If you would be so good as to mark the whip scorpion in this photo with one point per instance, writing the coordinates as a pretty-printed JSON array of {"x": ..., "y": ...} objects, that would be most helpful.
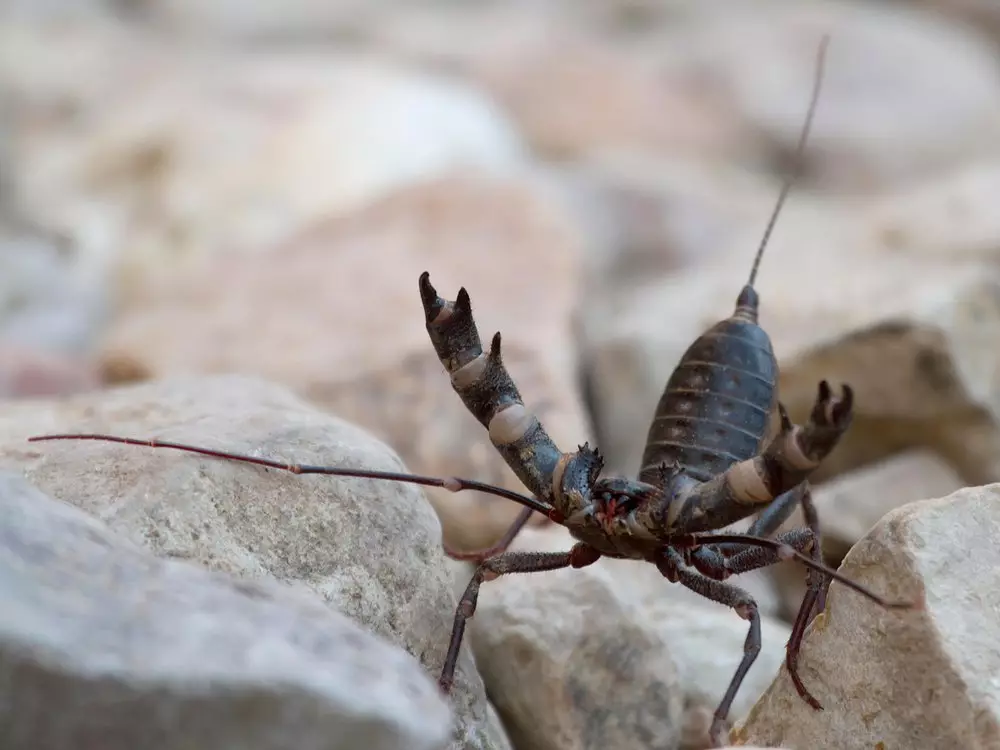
[{"x": 707, "y": 464}]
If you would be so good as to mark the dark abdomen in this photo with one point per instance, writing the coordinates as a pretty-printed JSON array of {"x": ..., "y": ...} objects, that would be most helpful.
[{"x": 716, "y": 406}]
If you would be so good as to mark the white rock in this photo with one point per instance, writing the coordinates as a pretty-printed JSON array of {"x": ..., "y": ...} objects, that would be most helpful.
[
  {"x": 924, "y": 678},
  {"x": 369, "y": 549},
  {"x": 850, "y": 504},
  {"x": 103, "y": 645},
  {"x": 950, "y": 216}
]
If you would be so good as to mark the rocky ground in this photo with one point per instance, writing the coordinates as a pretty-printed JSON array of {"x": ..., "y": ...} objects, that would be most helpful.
[{"x": 212, "y": 220}]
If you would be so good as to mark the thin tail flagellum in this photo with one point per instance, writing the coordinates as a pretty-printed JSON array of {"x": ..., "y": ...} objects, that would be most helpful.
[{"x": 747, "y": 303}]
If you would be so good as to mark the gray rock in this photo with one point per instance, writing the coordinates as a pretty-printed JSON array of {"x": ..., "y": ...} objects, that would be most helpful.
[
  {"x": 925, "y": 678},
  {"x": 104, "y": 645},
  {"x": 369, "y": 549}
]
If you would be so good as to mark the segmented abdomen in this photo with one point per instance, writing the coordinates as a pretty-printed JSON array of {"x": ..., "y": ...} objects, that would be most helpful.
[{"x": 716, "y": 406}]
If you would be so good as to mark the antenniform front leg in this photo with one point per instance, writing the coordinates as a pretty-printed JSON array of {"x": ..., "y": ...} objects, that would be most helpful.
[
  {"x": 482, "y": 382},
  {"x": 789, "y": 459}
]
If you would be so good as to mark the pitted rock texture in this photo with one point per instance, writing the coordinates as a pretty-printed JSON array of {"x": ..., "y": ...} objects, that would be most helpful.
[
  {"x": 920, "y": 678},
  {"x": 104, "y": 645},
  {"x": 369, "y": 549}
]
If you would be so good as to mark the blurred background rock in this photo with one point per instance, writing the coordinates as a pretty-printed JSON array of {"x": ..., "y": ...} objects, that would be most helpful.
[{"x": 207, "y": 186}]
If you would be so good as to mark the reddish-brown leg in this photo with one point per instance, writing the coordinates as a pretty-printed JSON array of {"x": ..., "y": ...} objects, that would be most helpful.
[
  {"x": 751, "y": 558},
  {"x": 478, "y": 555},
  {"x": 509, "y": 562}
]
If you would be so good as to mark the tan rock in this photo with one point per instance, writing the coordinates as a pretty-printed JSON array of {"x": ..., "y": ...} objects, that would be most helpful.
[
  {"x": 850, "y": 504},
  {"x": 259, "y": 20},
  {"x": 27, "y": 373},
  {"x": 647, "y": 217},
  {"x": 982, "y": 14},
  {"x": 336, "y": 315},
  {"x": 885, "y": 64},
  {"x": 197, "y": 149},
  {"x": 612, "y": 655},
  {"x": 369, "y": 549},
  {"x": 902, "y": 679},
  {"x": 950, "y": 216},
  {"x": 571, "y": 89}
]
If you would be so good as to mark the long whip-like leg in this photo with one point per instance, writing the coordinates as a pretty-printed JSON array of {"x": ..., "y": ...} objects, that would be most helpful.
[
  {"x": 509, "y": 562},
  {"x": 501, "y": 545},
  {"x": 673, "y": 568},
  {"x": 452, "y": 484}
]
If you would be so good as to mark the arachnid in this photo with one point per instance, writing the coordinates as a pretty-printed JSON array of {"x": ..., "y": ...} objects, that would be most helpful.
[{"x": 706, "y": 465}]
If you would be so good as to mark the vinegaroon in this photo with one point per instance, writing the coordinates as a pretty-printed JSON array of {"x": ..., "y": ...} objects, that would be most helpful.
[{"x": 706, "y": 465}]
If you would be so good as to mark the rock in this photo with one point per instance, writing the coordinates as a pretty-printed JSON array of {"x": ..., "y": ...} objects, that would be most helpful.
[
  {"x": 611, "y": 655},
  {"x": 199, "y": 149},
  {"x": 924, "y": 678},
  {"x": 850, "y": 504},
  {"x": 52, "y": 298},
  {"x": 28, "y": 372},
  {"x": 572, "y": 90},
  {"x": 910, "y": 335},
  {"x": 949, "y": 217},
  {"x": 886, "y": 63},
  {"x": 369, "y": 549},
  {"x": 982, "y": 14},
  {"x": 104, "y": 645},
  {"x": 55, "y": 10},
  {"x": 652, "y": 216},
  {"x": 261, "y": 21},
  {"x": 341, "y": 306}
]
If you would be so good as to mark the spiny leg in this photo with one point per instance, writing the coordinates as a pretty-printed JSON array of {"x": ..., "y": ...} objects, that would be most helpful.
[
  {"x": 775, "y": 514},
  {"x": 509, "y": 562},
  {"x": 501, "y": 545},
  {"x": 672, "y": 566},
  {"x": 820, "y": 584},
  {"x": 769, "y": 520},
  {"x": 752, "y": 558},
  {"x": 787, "y": 461}
]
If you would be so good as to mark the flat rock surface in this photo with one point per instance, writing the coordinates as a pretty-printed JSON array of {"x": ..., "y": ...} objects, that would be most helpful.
[
  {"x": 104, "y": 645},
  {"x": 925, "y": 678},
  {"x": 369, "y": 549}
]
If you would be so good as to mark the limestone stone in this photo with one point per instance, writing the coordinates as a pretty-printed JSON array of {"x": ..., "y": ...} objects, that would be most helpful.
[
  {"x": 368, "y": 549},
  {"x": 335, "y": 314},
  {"x": 104, "y": 645},
  {"x": 924, "y": 678}
]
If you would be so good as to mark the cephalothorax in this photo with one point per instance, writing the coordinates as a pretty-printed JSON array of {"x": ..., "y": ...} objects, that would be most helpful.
[{"x": 706, "y": 465}]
